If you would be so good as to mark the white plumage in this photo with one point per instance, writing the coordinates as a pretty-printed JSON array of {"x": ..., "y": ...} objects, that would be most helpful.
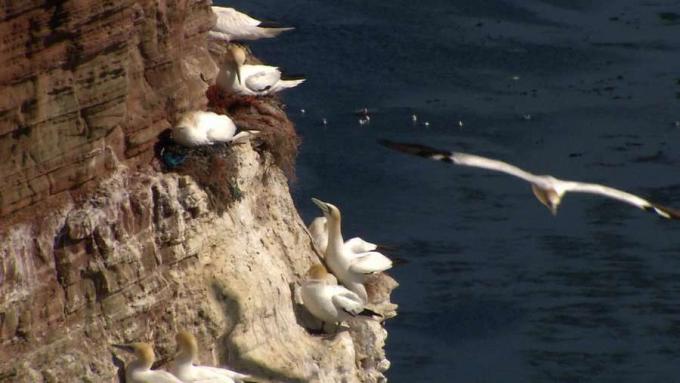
[
  {"x": 139, "y": 370},
  {"x": 233, "y": 25},
  {"x": 206, "y": 128},
  {"x": 547, "y": 189},
  {"x": 318, "y": 229}
]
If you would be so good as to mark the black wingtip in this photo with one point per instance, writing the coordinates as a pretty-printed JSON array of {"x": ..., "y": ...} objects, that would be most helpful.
[
  {"x": 272, "y": 25},
  {"x": 293, "y": 77},
  {"x": 665, "y": 212},
  {"x": 370, "y": 313},
  {"x": 414, "y": 149}
]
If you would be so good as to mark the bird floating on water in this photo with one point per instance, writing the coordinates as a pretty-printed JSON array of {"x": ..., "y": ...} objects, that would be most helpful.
[
  {"x": 235, "y": 76},
  {"x": 233, "y": 25},
  {"x": 547, "y": 189},
  {"x": 349, "y": 267},
  {"x": 139, "y": 370},
  {"x": 197, "y": 128},
  {"x": 184, "y": 368},
  {"x": 328, "y": 301}
]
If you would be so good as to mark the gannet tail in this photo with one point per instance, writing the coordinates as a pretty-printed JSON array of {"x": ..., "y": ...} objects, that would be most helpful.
[{"x": 271, "y": 29}]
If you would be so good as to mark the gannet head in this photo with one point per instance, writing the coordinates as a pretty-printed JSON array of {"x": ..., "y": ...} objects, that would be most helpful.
[
  {"x": 238, "y": 54},
  {"x": 548, "y": 197},
  {"x": 143, "y": 352},
  {"x": 317, "y": 272},
  {"x": 186, "y": 344},
  {"x": 329, "y": 210}
]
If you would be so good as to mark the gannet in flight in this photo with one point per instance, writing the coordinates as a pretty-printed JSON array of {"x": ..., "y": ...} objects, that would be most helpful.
[
  {"x": 328, "y": 301},
  {"x": 235, "y": 76},
  {"x": 206, "y": 128},
  {"x": 184, "y": 369},
  {"x": 319, "y": 232},
  {"x": 139, "y": 370},
  {"x": 233, "y": 25},
  {"x": 547, "y": 189},
  {"x": 350, "y": 268}
]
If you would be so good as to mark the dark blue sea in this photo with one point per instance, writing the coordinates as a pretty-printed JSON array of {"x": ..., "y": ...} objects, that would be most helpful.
[{"x": 497, "y": 289}]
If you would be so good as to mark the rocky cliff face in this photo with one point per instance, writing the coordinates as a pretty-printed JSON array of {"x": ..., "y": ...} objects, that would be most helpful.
[{"x": 97, "y": 246}]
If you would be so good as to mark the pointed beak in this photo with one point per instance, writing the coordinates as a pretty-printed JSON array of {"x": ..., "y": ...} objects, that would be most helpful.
[
  {"x": 124, "y": 347},
  {"x": 553, "y": 210},
  {"x": 238, "y": 74},
  {"x": 321, "y": 205}
]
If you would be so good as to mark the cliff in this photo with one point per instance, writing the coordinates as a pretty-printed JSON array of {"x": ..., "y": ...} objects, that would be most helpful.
[{"x": 100, "y": 245}]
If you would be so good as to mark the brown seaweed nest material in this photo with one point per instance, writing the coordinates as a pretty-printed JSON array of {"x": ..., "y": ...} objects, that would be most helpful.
[{"x": 266, "y": 115}]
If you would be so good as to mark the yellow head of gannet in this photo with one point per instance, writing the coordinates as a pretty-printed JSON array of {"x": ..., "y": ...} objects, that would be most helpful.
[
  {"x": 238, "y": 54},
  {"x": 329, "y": 210},
  {"x": 548, "y": 197},
  {"x": 143, "y": 352},
  {"x": 187, "y": 346},
  {"x": 317, "y": 272}
]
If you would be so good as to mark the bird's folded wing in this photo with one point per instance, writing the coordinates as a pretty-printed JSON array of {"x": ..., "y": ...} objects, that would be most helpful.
[
  {"x": 263, "y": 79},
  {"x": 370, "y": 262},
  {"x": 358, "y": 245},
  {"x": 348, "y": 302}
]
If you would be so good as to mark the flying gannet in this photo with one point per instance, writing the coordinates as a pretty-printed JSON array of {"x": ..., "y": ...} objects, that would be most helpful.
[
  {"x": 349, "y": 267},
  {"x": 184, "y": 369},
  {"x": 318, "y": 229},
  {"x": 139, "y": 370},
  {"x": 235, "y": 76},
  {"x": 197, "y": 128},
  {"x": 547, "y": 189},
  {"x": 328, "y": 301},
  {"x": 233, "y": 25}
]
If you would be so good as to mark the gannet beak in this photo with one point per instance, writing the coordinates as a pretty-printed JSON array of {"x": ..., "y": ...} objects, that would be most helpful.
[
  {"x": 238, "y": 74},
  {"x": 124, "y": 347},
  {"x": 322, "y": 205},
  {"x": 553, "y": 210}
]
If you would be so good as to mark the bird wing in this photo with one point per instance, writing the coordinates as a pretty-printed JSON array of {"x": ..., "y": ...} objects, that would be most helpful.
[
  {"x": 220, "y": 127},
  {"x": 260, "y": 78},
  {"x": 358, "y": 245},
  {"x": 228, "y": 373},
  {"x": 347, "y": 301},
  {"x": 620, "y": 195},
  {"x": 159, "y": 376},
  {"x": 229, "y": 19},
  {"x": 464, "y": 159},
  {"x": 370, "y": 262}
]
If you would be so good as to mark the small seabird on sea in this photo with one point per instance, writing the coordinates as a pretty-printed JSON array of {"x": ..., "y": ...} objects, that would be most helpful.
[
  {"x": 324, "y": 122},
  {"x": 330, "y": 302},
  {"x": 318, "y": 229},
  {"x": 233, "y": 25},
  {"x": 198, "y": 127},
  {"x": 460, "y": 124},
  {"x": 350, "y": 268},
  {"x": 184, "y": 368},
  {"x": 139, "y": 370},
  {"x": 514, "y": 78},
  {"x": 365, "y": 120},
  {"x": 527, "y": 117},
  {"x": 414, "y": 118},
  {"x": 426, "y": 123},
  {"x": 302, "y": 111},
  {"x": 547, "y": 189},
  {"x": 235, "y": 76}
]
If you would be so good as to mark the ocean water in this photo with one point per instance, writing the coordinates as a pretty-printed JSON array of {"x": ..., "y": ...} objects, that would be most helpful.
[{"x": 497, "y": 289}]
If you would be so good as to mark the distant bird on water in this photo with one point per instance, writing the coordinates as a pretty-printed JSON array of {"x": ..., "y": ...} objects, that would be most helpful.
[
  {"x": 235, "y": 76},
  {"x": 233, "y": 25},
  {"x": 139, "y": 370},
  {"x": 547, "y": 189},
  {"x": 197, "y": 128}
]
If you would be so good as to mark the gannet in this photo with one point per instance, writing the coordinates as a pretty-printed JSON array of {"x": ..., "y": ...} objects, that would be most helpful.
[
  {"x": 139, "y": 370},
  {"x": 328, "y": 301},
  {"x": 235, "y": 76},
  {"x": 318, "y": 229},
  {"x": 184, "y": 369},
  {"x": 349, "y": 267},
  {"x": 233, "y": 25},
  {"x": 547, "y": 189},
  {"x": 206, "y": 128}
]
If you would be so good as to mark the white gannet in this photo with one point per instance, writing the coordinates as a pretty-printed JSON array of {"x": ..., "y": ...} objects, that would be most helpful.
[
  {"x": 139, "y": 370},
  {"x": 206, "y": 128},
  {"x": 318, "y": 229},
  {"x": 350, "y": 268},
  {"x": 184, "y": 369},
  {"x": 328, "y": 301},
  {"x": 547, "y": 189},
  {"x": 233, "y": 25},
  {"x": 235, "y": 76}
]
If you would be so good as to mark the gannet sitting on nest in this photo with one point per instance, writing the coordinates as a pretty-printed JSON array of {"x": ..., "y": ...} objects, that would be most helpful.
[
  {"x": 328, "y": 301},
  {"x": 235, "y": 76},
  {"x": 547, "y": 189},
  {"x": 350, "y": 268},
  {"x": 184, "y": 369},
  {"x": 197, "y": 128},
  {"x": 233, "y": 25},
  {"x": 318, "y": 229},
  {"x": 139, "y": 370}
]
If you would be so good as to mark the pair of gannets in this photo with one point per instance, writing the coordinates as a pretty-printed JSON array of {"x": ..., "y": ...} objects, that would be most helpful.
[
  {"x": 349, "y": 261},
  {"x": 547, "y": 189},
  {"x": 197, "y": 128},
  {"x": 235, "y": 76},
  {"x": 318, "y": 229},
  {"x": 233, "y": 25},
  {"x": 183, "y": 369},
  {"x": 330, "y": 302}
]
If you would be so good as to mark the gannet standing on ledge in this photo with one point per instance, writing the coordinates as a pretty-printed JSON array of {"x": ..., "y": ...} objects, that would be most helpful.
[
  {"x": 318, "y": 229},
  {"x": 235, "y": 76},
  {"x": 350, "y": 268},
  {"x": 184, "y": 368},
  {"x": 328, "y": 301},
  {"x": 139, "y": 370},
  {"x": 547, "y": 189},
  {"x": 233, "y": 25},
  {"x": 197, "y": 128}
]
